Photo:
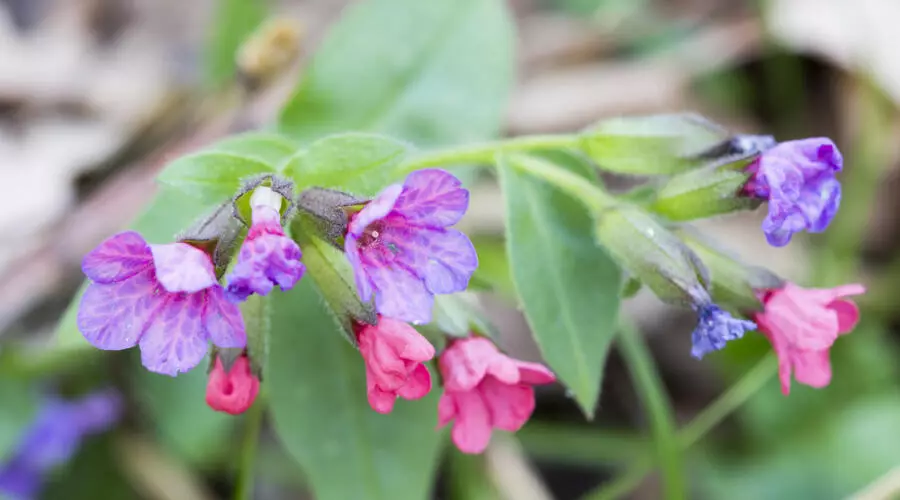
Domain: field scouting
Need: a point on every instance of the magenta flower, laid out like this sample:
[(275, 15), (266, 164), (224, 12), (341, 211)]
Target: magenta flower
[(485, 389), (394, 353), (163, 298), (267, 257), (802, 324), (798, 180), (53, 438), (402, 250)]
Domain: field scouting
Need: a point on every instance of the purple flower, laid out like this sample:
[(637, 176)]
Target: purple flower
[(715, 328), (267, 257), (164, 298), (402, 250), (798, 180), (53, 438)]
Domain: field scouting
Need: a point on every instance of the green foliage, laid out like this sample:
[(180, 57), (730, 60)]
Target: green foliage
[(360, 163), (234, 21), (19, 409), (256, 311), (434, 73), (651, 145), (569, 288), (318, 402), (460, 314)]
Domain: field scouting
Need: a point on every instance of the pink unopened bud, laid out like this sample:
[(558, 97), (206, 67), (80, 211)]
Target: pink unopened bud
[(233, 391)]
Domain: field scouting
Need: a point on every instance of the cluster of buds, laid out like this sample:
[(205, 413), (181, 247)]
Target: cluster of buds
[(167, 298)]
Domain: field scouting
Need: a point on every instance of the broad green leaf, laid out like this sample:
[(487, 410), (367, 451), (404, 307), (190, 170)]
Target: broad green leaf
[(651, 145), (19, 408), (93, 473), (432, 72), (184, 424), (568, 286), (359, 163), (264, 147), (318, 400), (233, 22), (213, 175)]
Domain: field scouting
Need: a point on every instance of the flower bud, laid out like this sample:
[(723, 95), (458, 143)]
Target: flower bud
[(233, 389)]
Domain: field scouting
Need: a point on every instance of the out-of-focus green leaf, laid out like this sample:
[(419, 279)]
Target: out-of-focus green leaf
[(651, 145), (184, 424), (233, 22), (356, 162), (460, 314), (318, 401), (19, 408), (568, 286), (92, 474), (469, 479), (493, 265), (434, 73)]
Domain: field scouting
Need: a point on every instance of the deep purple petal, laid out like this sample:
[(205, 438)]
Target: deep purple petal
[(183, 268), (363, 286), (263, 262), (715, 328), (819, 205), (223, 320), (401, 295), (113, 316), (175, 341), (19, 482), (375, 210), (433, 198), (119, 257)]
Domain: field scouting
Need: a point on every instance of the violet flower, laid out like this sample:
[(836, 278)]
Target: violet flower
[(401, 247), (715, 327), (163, 298), (53, 438), (798, 180), (267, 257)]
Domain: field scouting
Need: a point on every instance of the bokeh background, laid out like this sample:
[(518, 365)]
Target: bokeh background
[(97, 95)]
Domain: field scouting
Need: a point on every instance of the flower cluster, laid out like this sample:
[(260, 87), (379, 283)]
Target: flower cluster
[(53, 437)]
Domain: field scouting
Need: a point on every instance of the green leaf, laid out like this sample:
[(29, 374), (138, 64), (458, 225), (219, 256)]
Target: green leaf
[(186, 426), (356, 162), (329, 269), (568, 286), (460, 314), (19, 408), (493, 265), (264, 147), (651, 145), (319, 407), (436, 72), (234, 21), (212, 175)]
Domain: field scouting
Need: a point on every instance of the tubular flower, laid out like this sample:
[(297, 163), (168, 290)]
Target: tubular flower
[(267, 257), (401, 247), (163, 298), (233, 391), (485, 389), (802, 324), (394, 353), (798, 180)]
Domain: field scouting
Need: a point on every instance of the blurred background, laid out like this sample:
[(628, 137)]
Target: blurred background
[(97, 95)]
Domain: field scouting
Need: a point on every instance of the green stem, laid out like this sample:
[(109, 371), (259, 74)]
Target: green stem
[(479, 154), (583, 190), (650, 389), (709, 418), (246, 473)]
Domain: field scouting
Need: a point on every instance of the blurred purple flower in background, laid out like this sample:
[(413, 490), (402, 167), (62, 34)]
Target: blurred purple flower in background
[(164, 298), (267, 257), (401, 247), (53, 438), (798, 180)]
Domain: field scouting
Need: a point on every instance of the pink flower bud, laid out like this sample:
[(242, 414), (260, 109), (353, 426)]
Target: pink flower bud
[(233, 391)]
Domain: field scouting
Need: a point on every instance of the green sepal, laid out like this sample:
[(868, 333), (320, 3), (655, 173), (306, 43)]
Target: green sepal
[(705, 192), (216, 233), (241, 202)]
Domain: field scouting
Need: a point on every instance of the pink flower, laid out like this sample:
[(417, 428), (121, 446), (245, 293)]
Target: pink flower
[(233, 391), (802, 324), (163, 298), (485, 389), (267, 257), (394, 353)]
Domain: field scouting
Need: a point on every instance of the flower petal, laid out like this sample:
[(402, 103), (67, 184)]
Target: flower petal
[(510, 406), (175, 341), (432, 197), (119, 257), (472, 428), (464, 363), (401, 295), (222, 319), (376, 209), (183, 268), (535, 373), (113, 316), (381, 401), (451, 260), (360, 276), (418, 385), (812, 368), (406, 341), (446, 409)]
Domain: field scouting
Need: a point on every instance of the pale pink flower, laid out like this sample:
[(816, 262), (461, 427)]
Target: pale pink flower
[(485, 389), (802, 324)]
